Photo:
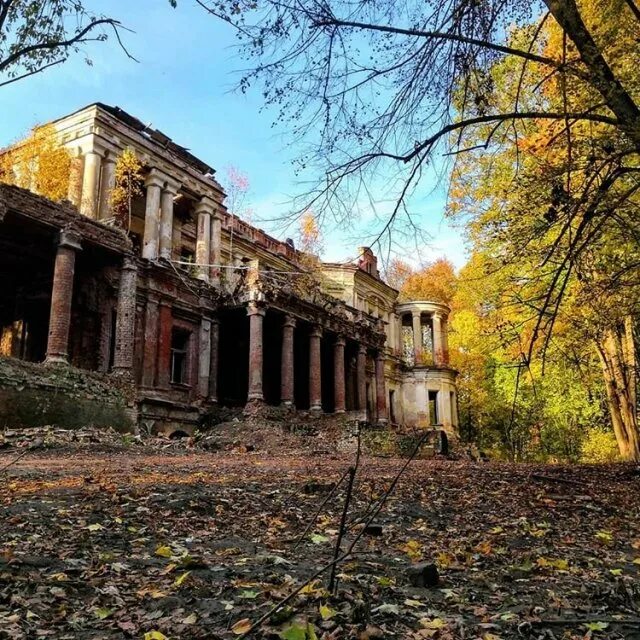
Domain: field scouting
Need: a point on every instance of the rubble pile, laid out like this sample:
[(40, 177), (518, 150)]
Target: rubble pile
[(50, 437)]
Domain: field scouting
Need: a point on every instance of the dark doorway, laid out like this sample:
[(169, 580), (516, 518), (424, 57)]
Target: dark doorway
[(326, 368), (272, 357), (301, 366), (233, 358), (434, 414)]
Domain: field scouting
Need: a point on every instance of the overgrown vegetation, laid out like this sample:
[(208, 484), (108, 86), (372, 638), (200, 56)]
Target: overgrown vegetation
[(39, 163)]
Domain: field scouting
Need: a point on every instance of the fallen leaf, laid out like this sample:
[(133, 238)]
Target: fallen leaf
[(242, 626)]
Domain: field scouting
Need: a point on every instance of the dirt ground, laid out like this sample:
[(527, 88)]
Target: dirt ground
[(151, 542)]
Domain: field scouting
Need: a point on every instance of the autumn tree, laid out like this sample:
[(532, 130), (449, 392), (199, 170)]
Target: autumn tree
[(552, 208), (435, 281), (39, 163), (378, 90), (128, 185), (36, 35)]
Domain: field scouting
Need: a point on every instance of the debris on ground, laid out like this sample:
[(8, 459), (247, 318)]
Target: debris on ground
[(143, 541)]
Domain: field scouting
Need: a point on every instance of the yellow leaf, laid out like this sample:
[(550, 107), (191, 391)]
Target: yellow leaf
[(636, 561), (168, 569), (95, 527), (164, 552), (561, 565), (327, 612), (436, 623), (311, 589), (413, 603), (154, 635), (182, 578), (242, 626)]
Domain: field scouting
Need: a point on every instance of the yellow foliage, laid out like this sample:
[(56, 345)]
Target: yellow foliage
[(38, 163), (599, 446), (436, 282), (127, 186)]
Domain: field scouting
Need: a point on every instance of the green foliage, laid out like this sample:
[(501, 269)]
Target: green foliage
[(599, 446)]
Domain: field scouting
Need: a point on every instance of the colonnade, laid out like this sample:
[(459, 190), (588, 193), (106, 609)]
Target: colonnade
[(91, 182), (439, 332), (61, 300), (256, 315)]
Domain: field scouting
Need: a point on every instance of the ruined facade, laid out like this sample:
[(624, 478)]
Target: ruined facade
[(196, 307)]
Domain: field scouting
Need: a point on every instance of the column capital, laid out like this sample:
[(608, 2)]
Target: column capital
[(171, 186), (70, 239), (362, 348), (289, 321), (129, 263), (316, 331), (165, 302), (255, 310), (340, 341), (205, 205), (380, 356), (155, 179), (416, 313)]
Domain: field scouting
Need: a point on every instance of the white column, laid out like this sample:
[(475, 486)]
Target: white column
[(444, 329), (203, 210), (204, 358), (107, 182), (417, 336), (438, 353), (90, 182), (216, 246), (154, 184), (166, 219)]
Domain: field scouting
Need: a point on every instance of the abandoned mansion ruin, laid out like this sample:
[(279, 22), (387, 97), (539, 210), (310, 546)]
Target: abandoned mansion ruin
[(184, 306)]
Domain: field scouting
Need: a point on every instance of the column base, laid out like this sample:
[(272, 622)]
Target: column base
[(253, 407), (340, 411), (316, 407), (287, 404), (122, 372), (382, 422), (57, 359)]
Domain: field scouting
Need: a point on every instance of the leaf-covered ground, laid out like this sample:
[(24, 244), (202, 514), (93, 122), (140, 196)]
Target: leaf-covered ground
[(119, 542)]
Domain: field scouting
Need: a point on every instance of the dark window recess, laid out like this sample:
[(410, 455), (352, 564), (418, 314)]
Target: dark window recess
[(112, 339), (179, 356), (434, 416)]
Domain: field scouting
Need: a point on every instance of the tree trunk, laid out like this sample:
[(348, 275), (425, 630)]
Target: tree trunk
[(617, 355), (567, 15)]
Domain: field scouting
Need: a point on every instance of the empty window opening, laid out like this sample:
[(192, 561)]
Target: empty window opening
[(434, 417), (179, 356)]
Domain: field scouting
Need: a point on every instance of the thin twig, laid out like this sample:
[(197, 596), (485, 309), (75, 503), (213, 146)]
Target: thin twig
[(346, 554), (20, 455), (330, 494), (317, 513), (347, 499)]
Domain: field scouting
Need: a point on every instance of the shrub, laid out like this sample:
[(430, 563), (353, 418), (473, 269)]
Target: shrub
[(599, 446)]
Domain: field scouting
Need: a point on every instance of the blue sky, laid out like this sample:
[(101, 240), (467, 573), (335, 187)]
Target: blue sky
[(183, 85)]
